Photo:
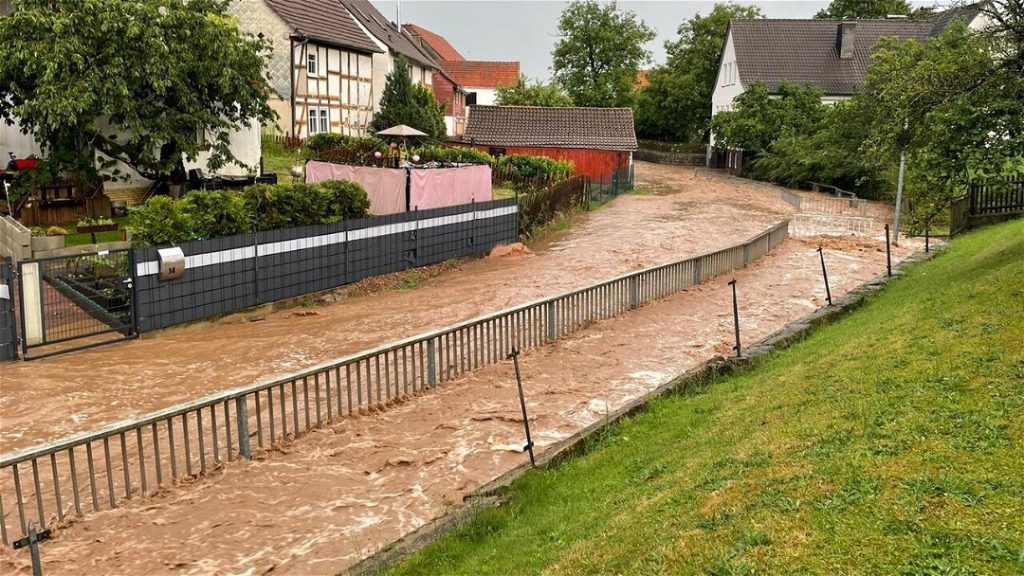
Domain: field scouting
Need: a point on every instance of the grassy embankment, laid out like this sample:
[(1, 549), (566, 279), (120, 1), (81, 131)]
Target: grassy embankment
[(891, 442)]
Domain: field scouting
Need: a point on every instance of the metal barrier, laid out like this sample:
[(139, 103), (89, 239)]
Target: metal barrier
[(141, 455)]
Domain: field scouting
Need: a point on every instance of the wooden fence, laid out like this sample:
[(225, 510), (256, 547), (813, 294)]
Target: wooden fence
[(1008, 196), (538, 208)]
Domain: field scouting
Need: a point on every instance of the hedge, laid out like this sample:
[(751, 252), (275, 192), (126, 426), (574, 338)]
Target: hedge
[(202, 215)]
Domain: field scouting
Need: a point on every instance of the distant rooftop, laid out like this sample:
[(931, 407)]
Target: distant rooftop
[(542, 127)]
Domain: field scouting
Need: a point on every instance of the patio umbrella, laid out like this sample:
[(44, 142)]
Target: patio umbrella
[(401, 130)]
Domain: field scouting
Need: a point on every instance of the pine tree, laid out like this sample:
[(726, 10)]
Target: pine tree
[(409, 104)]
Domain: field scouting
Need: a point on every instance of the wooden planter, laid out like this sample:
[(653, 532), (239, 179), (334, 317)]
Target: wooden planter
[(92, 230)]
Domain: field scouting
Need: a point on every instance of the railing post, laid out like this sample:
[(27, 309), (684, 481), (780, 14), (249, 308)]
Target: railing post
[(746, 254), (552, 328), (431, 363), (697, 270), (634, 291), (242, 417)]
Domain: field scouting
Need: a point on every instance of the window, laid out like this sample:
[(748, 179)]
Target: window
[(497, 152), (311, 67), (318, 121)]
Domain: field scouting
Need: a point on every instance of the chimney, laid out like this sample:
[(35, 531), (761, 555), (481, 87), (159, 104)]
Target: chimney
[(846, 39)]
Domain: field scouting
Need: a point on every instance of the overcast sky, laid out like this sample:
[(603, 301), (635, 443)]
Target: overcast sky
[(526, 30)]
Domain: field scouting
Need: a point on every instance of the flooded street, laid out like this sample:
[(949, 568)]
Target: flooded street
[(51, 398), (323, 502), (339, 494)]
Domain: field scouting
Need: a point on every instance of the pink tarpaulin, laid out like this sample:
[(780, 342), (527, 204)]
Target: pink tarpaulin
[(384, 186), (439, 187)]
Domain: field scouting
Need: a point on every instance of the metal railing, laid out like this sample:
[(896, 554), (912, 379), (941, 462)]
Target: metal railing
[(103, 468)]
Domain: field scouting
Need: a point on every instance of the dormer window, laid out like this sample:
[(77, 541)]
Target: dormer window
[(311, 64)]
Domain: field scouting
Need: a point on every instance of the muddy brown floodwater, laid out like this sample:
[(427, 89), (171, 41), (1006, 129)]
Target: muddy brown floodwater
[(321, 503), (51, 398), (340, 493)]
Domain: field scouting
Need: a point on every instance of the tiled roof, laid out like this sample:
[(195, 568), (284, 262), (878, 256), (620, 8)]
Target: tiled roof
[(805, 51), (386, 31), (480, 74), (323, 20), (590, 128), (772, 51), (434, 42)]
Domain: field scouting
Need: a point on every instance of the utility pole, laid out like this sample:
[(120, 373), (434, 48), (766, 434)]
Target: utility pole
[(899, 187)]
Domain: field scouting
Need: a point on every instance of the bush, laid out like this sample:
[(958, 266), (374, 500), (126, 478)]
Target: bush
[(217, 213), (161, 220), (213, 214), (343, 149), (348, 198), (320, 143), (532, 172), (455, 155)]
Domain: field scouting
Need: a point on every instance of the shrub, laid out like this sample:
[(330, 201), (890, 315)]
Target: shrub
[(217, 213), (161, 220), (343, 149), (56, 231), (212, 214), (319, 143), (349, 199), (455, 155), (532, 172), (289, 205)]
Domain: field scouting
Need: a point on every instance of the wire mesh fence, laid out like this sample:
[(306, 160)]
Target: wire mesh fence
[(611, 185), (104, 468)]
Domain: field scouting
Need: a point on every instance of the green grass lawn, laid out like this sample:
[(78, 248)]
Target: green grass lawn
[(890, 442), (75, 239), (279, 160)]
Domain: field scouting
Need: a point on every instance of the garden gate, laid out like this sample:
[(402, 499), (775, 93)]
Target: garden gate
[(74, 302)]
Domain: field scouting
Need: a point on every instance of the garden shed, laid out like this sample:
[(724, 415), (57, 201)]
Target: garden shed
[(598, 141)]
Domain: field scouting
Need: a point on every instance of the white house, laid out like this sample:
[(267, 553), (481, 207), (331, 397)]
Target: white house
[(832, 55)]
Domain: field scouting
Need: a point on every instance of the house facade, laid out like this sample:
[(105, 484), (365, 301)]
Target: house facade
[(598, 141), (832, 55), (329, 61)]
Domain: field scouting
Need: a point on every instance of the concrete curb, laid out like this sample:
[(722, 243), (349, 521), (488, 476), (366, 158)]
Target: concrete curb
[(491, 495)]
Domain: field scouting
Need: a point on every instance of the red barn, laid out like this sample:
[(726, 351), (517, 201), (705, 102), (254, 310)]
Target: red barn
[(597, 140)]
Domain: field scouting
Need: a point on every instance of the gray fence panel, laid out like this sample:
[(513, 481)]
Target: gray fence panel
[(8, 321), (279, 264)]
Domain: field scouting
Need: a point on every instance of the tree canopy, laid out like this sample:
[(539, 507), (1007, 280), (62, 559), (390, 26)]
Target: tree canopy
[(523, 93), (411, 104), (144, 82), (676, 104), (600, 52), (865, 9)]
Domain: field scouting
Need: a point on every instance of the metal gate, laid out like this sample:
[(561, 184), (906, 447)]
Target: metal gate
[(74, 302)]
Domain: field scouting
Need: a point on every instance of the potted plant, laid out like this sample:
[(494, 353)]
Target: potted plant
[(51, 238)]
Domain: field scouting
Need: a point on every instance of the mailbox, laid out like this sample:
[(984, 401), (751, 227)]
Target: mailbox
[(172, 263)]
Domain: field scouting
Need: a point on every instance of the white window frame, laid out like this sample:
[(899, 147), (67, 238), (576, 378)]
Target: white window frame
[(312, 64), (319, 120)]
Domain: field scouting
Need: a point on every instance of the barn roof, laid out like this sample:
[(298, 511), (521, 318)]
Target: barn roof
[(323, 20), (542, 127)]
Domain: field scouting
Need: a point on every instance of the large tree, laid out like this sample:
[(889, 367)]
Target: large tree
[(411, 104), (865, 9), (600, 52), (144, 82), (676, 104), (524, 93), (954, 105)]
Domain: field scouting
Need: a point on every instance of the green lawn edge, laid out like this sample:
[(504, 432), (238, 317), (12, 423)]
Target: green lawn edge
[(889, 442)]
